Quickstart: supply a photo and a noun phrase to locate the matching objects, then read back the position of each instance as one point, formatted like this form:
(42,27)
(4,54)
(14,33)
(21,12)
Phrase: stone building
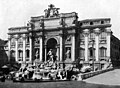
(88,41)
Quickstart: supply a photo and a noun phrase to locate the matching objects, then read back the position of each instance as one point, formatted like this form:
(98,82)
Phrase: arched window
(103,52)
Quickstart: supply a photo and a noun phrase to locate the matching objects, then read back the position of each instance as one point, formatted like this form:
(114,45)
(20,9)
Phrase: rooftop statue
(51,11)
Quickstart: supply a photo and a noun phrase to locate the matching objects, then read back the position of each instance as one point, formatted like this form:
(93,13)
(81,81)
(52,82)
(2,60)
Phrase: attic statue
(51,11)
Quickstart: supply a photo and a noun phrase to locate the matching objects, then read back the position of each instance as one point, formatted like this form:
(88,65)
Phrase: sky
(16,13)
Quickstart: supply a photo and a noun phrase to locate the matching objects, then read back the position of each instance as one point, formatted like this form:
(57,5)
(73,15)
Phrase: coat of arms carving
(51,11)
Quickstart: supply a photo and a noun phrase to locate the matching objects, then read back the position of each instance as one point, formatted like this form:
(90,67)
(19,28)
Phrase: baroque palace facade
(87,41)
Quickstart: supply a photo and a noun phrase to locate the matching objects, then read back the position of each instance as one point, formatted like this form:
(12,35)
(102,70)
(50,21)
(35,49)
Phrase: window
(27,53)
(102,22)
(91,52)
(81,24)
(103,52)
(103,35)
(82,52)
(91,23)
(92,36)
(20,53)
(12,53)
(27,40)
(102,66)
(20,40)
(81,36)
(12,41)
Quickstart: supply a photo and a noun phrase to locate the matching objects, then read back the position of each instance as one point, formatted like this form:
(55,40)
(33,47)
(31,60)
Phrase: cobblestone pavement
(108,78)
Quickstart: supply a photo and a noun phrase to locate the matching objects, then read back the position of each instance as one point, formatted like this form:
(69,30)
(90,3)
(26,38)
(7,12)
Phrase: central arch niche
(51,44)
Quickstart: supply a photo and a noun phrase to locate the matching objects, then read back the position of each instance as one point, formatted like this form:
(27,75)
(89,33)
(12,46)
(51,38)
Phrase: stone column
(9,45)
(97,32)
(57,54)
(30,36)
(61,47)
(73,48)
(45,53)
(16,48)
(41,47)
(86,33)
(108,31)
(24,48)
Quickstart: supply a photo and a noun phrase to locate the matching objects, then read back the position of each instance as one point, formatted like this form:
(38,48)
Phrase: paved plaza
(108,78)
(66,84)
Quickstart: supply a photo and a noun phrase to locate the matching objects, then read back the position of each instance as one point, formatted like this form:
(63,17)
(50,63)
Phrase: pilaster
(30,36)
(97,32)
(41,49)
(24,47)
(57,54)
(108,31)
(73,47)
(16,47)
(61,47)
(86,33)
(45,53)
(9,46)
